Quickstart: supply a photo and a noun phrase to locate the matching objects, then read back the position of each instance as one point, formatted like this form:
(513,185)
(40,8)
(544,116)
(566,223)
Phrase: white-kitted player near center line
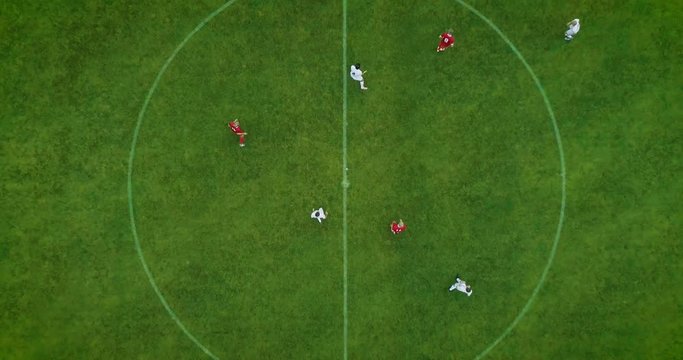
(319,215)
(461,286)
(357,74)
(573,28)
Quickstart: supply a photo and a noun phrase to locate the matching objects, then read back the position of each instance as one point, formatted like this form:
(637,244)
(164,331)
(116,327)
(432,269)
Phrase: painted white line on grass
(563,174)
(345,183)
(131,158)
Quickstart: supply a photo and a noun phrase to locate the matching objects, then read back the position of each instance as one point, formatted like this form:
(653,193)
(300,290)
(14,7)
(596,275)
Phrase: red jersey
(446,41)
(396,228)
(235,128)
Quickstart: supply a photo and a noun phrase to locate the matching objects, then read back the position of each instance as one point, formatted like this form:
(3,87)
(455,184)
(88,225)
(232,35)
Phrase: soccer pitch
(545,173)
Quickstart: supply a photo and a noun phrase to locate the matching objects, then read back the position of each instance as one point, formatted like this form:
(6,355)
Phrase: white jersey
(574,27)
(461,286)
(319,215)
(356,74)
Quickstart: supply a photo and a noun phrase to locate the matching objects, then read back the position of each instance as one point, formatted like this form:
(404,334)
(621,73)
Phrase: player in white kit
(357,74)
(573,28)
(319,215)
(461,286)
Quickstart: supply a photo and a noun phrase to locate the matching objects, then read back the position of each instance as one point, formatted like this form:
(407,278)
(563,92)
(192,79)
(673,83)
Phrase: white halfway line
(345,184)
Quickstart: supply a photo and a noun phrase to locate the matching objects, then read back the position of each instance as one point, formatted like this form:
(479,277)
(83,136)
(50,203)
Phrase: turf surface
(458,144)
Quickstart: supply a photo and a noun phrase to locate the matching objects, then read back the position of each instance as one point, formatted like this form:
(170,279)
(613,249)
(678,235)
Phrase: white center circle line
(131,158)
(206,20)
(563,174)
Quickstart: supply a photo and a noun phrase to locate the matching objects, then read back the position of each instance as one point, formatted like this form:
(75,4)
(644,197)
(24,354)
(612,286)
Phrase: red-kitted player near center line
(447,40)
(237,130)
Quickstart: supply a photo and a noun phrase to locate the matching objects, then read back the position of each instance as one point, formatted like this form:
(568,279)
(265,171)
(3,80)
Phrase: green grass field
(102,100)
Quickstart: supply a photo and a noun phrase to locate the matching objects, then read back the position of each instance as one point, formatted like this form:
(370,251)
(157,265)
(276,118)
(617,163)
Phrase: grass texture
(458,144)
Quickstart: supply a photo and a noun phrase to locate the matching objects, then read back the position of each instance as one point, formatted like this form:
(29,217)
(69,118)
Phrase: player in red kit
(237,130)
(447,40)
(398,227)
